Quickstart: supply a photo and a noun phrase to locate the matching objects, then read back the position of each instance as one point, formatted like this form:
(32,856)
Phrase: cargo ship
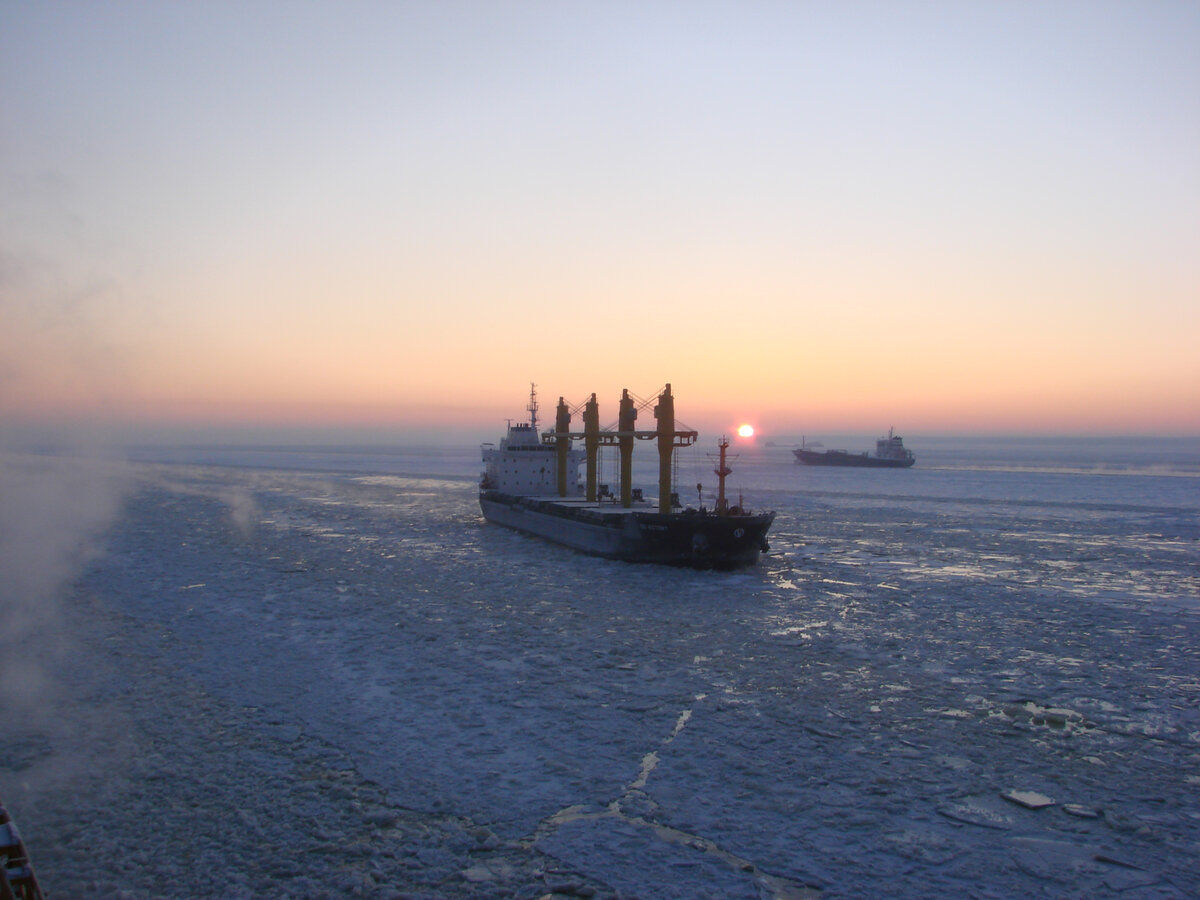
(890,453)
(531,483)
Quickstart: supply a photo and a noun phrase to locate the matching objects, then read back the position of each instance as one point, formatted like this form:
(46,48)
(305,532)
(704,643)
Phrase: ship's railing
(17,881)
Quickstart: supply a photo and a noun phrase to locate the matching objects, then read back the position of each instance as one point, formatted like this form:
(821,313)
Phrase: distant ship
(531,483)
(889,454)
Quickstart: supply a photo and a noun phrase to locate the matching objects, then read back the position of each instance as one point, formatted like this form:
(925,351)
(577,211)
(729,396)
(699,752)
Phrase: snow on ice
(336,679)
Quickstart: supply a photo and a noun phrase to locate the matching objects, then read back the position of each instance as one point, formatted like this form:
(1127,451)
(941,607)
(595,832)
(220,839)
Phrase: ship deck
(603,509)
(598,511)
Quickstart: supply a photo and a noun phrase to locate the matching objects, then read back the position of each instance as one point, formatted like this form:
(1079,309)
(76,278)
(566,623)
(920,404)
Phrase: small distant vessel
(531,483)
(889,454)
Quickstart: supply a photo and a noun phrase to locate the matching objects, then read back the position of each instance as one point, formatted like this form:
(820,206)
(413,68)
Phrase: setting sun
(746,431)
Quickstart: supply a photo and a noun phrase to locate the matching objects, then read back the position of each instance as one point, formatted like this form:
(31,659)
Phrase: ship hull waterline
(690,539)
(853,460)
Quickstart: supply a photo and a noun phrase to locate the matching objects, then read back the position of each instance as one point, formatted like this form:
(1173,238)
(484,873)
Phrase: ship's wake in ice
(631,818)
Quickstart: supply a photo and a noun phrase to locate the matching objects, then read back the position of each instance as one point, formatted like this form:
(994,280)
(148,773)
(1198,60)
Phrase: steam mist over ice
(53,510)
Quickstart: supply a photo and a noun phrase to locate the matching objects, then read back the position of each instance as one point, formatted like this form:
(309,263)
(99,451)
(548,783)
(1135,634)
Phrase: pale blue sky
(206,205)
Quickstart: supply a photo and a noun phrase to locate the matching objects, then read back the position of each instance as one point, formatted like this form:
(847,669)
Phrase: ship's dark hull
(857,460)
(694,539)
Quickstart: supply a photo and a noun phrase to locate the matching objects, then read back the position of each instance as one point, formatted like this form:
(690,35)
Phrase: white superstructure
(892,447)
(522,465)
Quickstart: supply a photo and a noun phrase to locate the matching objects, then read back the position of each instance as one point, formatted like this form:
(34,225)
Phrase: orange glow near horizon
(437,348)
(433,407)
(341,378)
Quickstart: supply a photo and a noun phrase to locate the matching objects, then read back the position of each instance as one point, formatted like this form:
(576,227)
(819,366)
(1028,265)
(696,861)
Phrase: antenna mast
(532,407)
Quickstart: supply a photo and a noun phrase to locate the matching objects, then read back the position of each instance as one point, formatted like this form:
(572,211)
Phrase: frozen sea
(307,673)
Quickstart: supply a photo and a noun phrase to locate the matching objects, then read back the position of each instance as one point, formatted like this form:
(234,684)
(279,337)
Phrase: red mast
(721,471)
